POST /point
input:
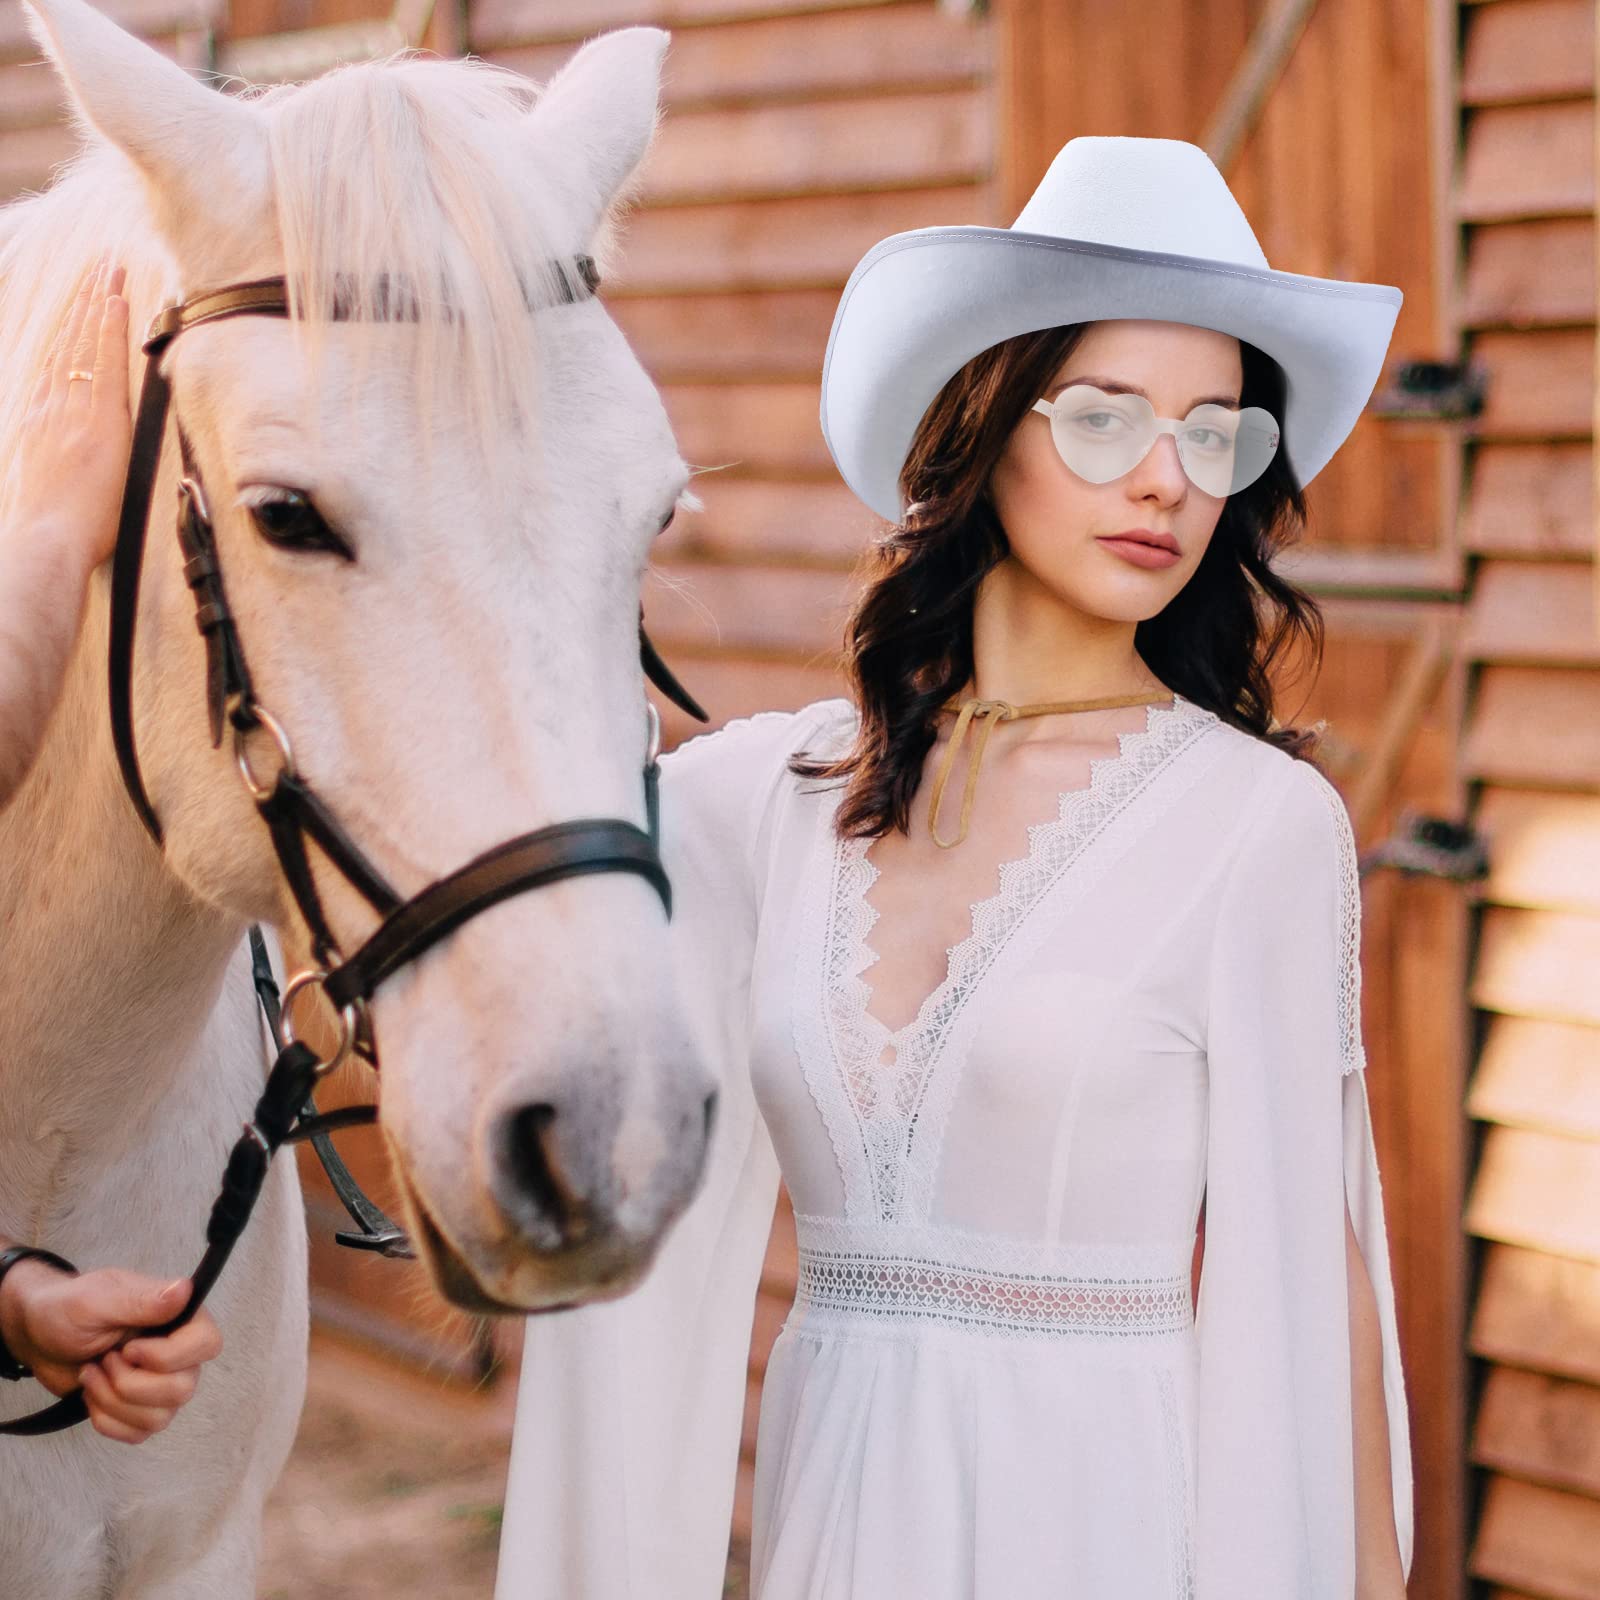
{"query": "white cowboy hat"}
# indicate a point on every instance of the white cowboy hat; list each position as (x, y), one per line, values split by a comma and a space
(1119, 227)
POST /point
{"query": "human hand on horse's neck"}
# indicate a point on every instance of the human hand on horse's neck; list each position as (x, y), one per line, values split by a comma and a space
(59, 515)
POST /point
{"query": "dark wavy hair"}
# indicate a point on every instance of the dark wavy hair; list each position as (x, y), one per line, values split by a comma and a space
(908, 639)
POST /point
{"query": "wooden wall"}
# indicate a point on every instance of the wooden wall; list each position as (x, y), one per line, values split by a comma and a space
(1525, 211)
(33, 136)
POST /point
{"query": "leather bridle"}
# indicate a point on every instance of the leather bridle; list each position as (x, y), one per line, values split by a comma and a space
(294, 814)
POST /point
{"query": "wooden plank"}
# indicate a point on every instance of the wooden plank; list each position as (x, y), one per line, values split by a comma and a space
(1539, 964)
(802, 57)
(743, 337)
(1535, 725)
(769, 428)
(1545, 1541)
(29, 157)
(144, 17)
(31, 92)
(729, 687)
(743, 611)
(1527, 161)
(1544, 1429)
(1531, 500)
(1529, 274)
(863, 144)
(1541, 384)
(1527, 50)
(1534, 612)
(762, 520)
(1537, 1190)
(501, 22)
(1538, 1311)
(1544, 849)
(808, 242)
(1539, 1075)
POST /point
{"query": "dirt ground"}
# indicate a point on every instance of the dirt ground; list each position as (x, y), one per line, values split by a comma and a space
(395, 1487)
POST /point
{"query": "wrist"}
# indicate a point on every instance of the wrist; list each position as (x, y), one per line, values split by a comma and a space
(19, 1285)
(43, 555)
(15, 1289)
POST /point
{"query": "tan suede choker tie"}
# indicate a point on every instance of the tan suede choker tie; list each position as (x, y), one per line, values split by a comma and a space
(994, 711)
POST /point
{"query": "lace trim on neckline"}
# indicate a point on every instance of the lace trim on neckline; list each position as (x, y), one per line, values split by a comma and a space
(871, 1110)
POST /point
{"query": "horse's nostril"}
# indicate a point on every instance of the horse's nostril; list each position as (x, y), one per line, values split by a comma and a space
(710, 1114)
(534, 1164)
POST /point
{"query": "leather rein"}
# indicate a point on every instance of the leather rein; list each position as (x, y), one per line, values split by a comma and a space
(294, 815)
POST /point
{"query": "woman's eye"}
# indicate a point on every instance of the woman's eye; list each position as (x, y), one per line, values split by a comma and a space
(666, 522)
(291, 522)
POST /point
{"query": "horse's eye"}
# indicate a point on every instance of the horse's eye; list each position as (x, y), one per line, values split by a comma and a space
(291, 522)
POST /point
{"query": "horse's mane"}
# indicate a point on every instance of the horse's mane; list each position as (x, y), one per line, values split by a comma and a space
(413, 169)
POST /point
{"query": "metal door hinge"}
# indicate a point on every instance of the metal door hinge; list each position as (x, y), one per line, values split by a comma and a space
(1441, 391)
(1433, 846)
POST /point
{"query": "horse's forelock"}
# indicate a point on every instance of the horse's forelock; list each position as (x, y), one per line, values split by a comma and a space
(420, 172)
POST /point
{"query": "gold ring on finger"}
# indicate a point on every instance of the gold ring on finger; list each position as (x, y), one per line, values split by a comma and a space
(78, 375)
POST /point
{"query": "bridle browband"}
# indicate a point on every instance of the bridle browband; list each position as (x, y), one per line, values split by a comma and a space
(295, 814)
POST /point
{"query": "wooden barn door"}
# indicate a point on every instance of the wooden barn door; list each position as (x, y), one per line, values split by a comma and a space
(1333, 123)
(1525, 213)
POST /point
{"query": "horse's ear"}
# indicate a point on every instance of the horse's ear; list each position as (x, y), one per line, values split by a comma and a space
(595, 119)
(183, 137)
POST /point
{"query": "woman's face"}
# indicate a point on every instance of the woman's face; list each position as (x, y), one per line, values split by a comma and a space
(1061, 527)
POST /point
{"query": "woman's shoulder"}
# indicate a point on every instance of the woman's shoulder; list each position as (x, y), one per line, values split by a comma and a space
(1296, 820)
(762, 737)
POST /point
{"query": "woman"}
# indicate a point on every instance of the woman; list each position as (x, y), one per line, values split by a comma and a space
(999, 1098)
(58, 520)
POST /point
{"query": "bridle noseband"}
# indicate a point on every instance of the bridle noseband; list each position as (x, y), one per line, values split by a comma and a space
(294, 814)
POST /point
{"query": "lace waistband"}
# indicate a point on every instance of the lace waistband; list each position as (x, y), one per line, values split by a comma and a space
(867, 1273)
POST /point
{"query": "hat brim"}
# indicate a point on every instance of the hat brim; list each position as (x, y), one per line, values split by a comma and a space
(920, 305)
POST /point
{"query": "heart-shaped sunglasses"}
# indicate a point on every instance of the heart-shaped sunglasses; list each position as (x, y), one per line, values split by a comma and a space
(1100, 436)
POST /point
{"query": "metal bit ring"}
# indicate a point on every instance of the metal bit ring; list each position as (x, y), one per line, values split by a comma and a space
(349, 1018)
(241, 753)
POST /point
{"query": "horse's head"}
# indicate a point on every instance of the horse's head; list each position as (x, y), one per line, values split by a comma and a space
(433, 519)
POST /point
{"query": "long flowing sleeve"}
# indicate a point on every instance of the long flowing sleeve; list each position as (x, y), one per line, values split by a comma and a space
(1289, 1145)
(625, 1444)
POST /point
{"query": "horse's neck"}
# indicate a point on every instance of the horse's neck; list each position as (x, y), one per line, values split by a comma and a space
(109, 968)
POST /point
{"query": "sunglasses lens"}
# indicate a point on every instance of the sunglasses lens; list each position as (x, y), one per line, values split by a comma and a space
(1224, 450)
(1099, 435)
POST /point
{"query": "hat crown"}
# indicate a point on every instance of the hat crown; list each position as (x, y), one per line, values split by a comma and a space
(1162, 195)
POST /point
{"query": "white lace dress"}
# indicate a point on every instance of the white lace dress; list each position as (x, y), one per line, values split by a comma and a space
(993, 1382)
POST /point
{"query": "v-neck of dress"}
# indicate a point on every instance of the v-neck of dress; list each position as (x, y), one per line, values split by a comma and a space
(964, 959)
(885, 1120)
(1079, 813)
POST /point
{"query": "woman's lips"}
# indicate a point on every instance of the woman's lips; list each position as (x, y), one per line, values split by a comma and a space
(1140, 555)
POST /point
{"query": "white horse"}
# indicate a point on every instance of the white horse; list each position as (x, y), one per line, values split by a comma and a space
(473, 673)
